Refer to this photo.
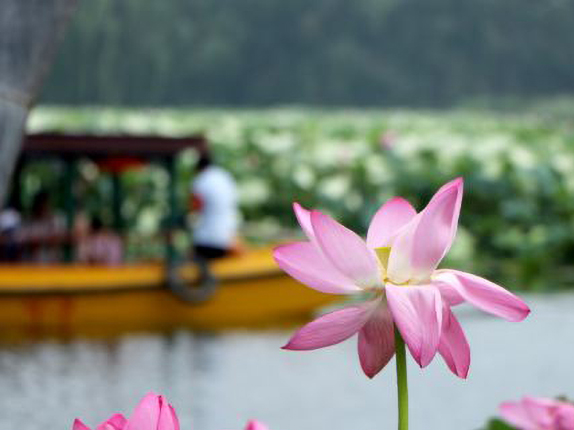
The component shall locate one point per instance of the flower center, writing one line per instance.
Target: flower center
(383, 253)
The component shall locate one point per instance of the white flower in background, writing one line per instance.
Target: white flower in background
(227, 131)
(325, 153)
(303, 176)
(253, 191)
(335, 187)
(377, 169)
(486, 147)
(353, 201)
(563, 162)
(275, 143)
(40, 120)
(449, 148)
(522, 157)
(493, 168)
(358, 149)
(411, 143)
(148, 221)
(166, 125)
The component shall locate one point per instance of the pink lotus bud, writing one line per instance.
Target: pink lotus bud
(387, 140)
(115, 422)
(255, 425)
(539, 413)
(153, 413)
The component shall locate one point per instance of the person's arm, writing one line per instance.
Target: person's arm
(238, 247)
(195, 203)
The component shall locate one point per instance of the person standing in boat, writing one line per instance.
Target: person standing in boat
(214, 199)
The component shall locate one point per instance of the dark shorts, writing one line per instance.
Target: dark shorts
(210, 252)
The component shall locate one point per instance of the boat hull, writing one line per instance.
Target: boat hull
(101, 302)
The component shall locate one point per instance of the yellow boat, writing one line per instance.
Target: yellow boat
(74, 300)
(68, 300)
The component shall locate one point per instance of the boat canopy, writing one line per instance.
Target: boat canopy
(114, 154)
(106, 146)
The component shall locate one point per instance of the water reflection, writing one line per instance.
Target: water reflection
(219, 381)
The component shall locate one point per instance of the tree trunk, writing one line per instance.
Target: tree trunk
(29, 34)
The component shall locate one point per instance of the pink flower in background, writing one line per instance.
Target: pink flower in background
(152, 413)
(532, 413)
(395, 272)
(387, 140)
(115, 422)
(255, 425)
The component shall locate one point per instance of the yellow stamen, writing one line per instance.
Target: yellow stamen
(383, 253)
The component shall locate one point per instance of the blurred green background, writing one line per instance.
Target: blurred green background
(324, 52)
(517, 224)
(440, 88)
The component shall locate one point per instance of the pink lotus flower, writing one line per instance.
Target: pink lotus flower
(152, 413)
(396, 272)
(255, 425)
(387, 140)
(115, 422)
(532, 413)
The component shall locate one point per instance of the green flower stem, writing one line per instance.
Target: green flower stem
(402, 388)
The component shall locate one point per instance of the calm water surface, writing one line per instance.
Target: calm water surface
(218, 382)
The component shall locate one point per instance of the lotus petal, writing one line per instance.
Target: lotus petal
(304, 218)
(453, 346)
(146, 414)
(423, 242)
(346, 250)
(488, 296)
(417, 312)
(387, 222)
(79, 425)
(331, 328)
(115, 422)
(516, 414)
(377, 341)
(305, 262)
(255, 425)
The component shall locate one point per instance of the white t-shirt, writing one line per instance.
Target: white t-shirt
(218, 218)
(10, 219)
